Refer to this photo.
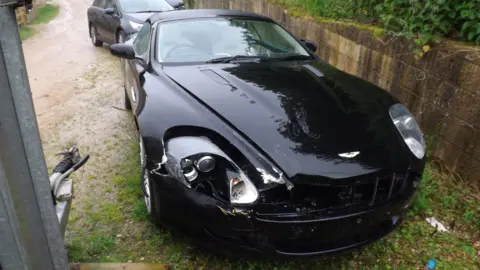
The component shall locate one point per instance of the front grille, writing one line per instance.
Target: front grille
(363, 192)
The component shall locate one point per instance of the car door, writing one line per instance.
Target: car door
(135, 68)
(111, 22)
(95, 13)
(102, 23)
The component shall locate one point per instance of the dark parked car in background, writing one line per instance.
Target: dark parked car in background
(112, 21)
(176, 4)
(250, 143)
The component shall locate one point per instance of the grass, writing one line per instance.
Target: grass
(321, 11)
(44, 15)
(409, 247)
(345, 9)
(26, 32)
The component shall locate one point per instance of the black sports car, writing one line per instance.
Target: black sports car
(250, 143)
(113, 21)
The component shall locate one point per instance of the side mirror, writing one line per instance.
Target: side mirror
(310, 45)
(122, 50)
(109, 11)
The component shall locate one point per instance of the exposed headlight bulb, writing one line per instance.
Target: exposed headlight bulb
(189, 170)
(205, 164)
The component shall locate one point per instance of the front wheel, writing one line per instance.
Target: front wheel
(150, 194)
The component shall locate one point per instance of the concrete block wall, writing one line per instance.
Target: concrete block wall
(442, 89)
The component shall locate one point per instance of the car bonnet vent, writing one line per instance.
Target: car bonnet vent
(215, 76)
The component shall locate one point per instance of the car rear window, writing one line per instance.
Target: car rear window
(136, 6)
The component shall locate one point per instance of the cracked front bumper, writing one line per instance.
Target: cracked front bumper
(221, 228)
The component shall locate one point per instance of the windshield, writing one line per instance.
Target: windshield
(134, 6)
(204, 40)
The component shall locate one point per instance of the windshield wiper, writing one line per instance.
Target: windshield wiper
(229, 59)
(293, 57)
(287, 57)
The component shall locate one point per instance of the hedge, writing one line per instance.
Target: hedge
(424, 21)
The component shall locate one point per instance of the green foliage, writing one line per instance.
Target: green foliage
(345, 9)
(45, 14)
(468, 20)
(424, 21)
(25, 32)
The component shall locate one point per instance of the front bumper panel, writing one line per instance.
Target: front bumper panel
(225, 229)
(325, 235)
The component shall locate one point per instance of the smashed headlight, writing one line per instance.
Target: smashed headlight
(201, 165)
(409, 129)
(242, 190)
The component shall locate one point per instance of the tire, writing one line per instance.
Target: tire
(126, 103)
(120, 37)
(93, 37)
(150, 189)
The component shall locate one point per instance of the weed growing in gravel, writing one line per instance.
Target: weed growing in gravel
(26, 32)
(44, 15)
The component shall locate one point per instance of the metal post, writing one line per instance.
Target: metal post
(29, 230)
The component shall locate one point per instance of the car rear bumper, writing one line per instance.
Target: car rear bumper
(244, 232)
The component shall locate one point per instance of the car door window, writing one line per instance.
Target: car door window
(99, 3)
(141, 42)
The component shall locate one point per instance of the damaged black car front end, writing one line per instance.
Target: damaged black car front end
(223, 209)
(275, 152)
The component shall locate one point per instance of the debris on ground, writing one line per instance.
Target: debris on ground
(431, 265)
(435, 223)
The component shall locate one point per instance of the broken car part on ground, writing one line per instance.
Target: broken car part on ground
(250, 143)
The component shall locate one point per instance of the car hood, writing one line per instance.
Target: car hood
(303, 115)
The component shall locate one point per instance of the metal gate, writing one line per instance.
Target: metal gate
(30, 236)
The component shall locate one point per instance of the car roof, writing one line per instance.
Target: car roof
(202, 13)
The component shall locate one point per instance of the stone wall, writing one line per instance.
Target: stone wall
(442, 89)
